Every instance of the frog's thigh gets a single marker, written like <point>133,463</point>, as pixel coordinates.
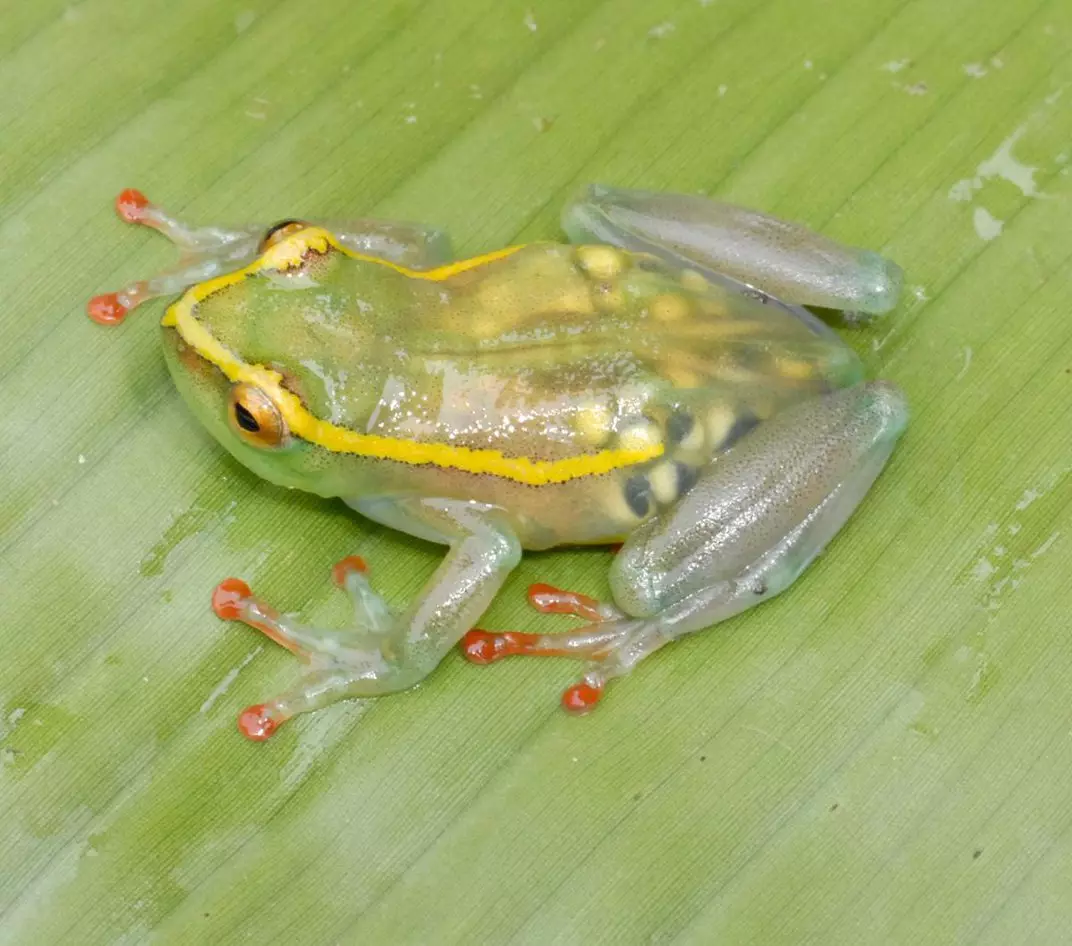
<point>409,244</point>
<point>758,516</point>
<point>783,259</point>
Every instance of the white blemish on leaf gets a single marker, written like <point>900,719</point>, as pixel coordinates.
<point>530,21</point>
<point>1030,495</point>
<point>225,684</point>
<point>1045,547</point>
<point>967,363</point>
<point>974,69</point>
<point>244,20</point>
<point>987,226</point>
<point>662,30</point>
<point>722,90</point>
<point>896,65</point>
<point>877,344</point>
<point>983,569</point>
<point>1001,164</point>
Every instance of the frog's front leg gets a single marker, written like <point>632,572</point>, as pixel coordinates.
<point>206,252</point>
<point>749,527</point>
<point>383,653</point>
<point>783,259</point>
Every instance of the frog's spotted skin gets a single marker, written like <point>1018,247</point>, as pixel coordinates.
<point>654,385</point>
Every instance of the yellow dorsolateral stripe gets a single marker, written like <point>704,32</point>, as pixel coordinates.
<point>305,425</point>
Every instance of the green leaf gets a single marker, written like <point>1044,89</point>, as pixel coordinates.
<point>881,755</point>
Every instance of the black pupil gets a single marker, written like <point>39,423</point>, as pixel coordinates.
<point>245,419</point>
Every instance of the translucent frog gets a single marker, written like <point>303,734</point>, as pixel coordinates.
<point>655,384</point>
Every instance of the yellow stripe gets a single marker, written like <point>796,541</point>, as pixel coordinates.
<point>305,425</point>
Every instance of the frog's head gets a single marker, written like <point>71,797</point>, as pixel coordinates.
<point>251,353</point>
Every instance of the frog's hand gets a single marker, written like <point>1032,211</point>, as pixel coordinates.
<point>383,653</point>
<point>206,252</point>
<point>748,528</point>
<point>784,259</point>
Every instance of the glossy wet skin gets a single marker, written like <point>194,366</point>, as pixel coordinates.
<point>538,396</point>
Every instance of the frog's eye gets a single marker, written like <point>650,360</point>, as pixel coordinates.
<point>281,231</point>
<point>255,418</point>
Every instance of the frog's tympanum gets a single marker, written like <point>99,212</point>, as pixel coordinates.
<point>655,384</point>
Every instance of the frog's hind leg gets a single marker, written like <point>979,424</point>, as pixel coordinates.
<point>747,529</point>
<point>781,259</point>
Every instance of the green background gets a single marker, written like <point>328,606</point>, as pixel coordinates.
<point>882,754</point>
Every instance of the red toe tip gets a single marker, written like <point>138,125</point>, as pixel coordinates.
<point>581,698</point>
<point>106,309</point>
<point>257,723</point>
<point>131,204</point>
<point>228,598</point>
<point>344,567</point>
<point>479,647</point>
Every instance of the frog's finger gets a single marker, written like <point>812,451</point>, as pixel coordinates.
<point>370,610</point>
<point>134,207</point>
<point>318,689</point>
<point>111,308</point>
<point>232,600</point>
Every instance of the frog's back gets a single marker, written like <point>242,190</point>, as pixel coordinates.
<point>559,351</point>
<point>612,371</point>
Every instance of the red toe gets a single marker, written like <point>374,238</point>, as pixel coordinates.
<point>106,309</point>
<point>344,567</point>
<point>257,723</point>
<point>131,204</point>
<point>581,698</point>
<point>479,646</point>
<point>229,597</point>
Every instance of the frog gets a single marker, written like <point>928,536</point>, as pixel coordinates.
<point>660,383</point>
